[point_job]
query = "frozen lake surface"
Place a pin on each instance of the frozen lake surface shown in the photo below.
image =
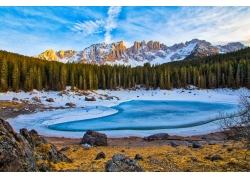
(133, 118)
(143, 116)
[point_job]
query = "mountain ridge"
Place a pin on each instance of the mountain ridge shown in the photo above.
(153, 52)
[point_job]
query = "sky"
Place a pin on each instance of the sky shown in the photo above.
(30, 30)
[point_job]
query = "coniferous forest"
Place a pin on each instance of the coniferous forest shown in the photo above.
(231, 70)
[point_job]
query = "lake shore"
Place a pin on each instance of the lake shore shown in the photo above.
(16, 109)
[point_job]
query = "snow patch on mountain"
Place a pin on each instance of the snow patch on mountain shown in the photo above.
(140, 53)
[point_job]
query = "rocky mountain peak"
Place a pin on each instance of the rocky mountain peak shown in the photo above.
(142, 52)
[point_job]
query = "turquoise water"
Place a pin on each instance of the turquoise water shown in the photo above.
(151, 115)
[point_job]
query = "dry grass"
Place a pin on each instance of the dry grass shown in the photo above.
(164, 158)
(11, 104)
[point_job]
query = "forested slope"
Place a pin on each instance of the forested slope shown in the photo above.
(231, 70)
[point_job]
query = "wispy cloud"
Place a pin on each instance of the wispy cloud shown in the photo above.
(179, 24)
(31, 30)
(89, 27)
(113, 13)
(98, 26)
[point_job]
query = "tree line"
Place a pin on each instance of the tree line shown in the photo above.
(231, 70)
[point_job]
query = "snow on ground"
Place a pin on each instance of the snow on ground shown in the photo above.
(99, 108)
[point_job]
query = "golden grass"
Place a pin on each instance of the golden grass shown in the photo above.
(11, 104)
(164, 158)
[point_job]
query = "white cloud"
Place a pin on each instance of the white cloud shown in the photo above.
(113, 13)
(213, 24)
(98, 26)
(88, 27)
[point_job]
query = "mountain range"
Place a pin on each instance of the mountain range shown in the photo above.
(153, 52)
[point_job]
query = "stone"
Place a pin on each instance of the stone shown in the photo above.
(70, 104)
(36, 99)
(194, 159)
(196, 144)
(86, 146)
(94, 138)
(91, 98)
(159, 136)
(64, 148)
(50, 100)
(137, 157)
(216, 157)
(15, 99)
(100, 155)
(174, 144)
(121, 163)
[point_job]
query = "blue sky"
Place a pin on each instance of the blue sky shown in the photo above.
(30, 30)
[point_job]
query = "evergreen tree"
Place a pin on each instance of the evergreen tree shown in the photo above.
(15, 78)
(4, 76)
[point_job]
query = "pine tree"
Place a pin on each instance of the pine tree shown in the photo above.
(39, 80)
(223, 81)
(4, 76)
(103, 80)
(63, 77)
(161, 81)
(237, 78)
(72, 80)
(15, 77)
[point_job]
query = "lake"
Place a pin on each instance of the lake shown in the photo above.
(144, 117)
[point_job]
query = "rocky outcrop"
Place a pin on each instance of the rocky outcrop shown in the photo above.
(94, 138)
(117, 52)
(121, 163)
(158, 136)
(51, 55)
(230, 47)
(26, 151)
(65, 54)
(140, 52)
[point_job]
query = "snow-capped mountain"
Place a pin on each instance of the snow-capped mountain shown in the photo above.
(140, 53)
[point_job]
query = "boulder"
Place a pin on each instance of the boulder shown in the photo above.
(27, 151)
(159, 136)
(70, 104)
(121, 163)
(137, 157)
(64, 148)
(196, 144)
(92, 98)
(15, 99)
(216, 157)
(50, 100)
(36, 99)
(94, 138)
(174, 144)
(100, 155)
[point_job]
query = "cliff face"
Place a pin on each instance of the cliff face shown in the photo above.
(51, 55)
(153, 52)
(102, 53)
(26, 151)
